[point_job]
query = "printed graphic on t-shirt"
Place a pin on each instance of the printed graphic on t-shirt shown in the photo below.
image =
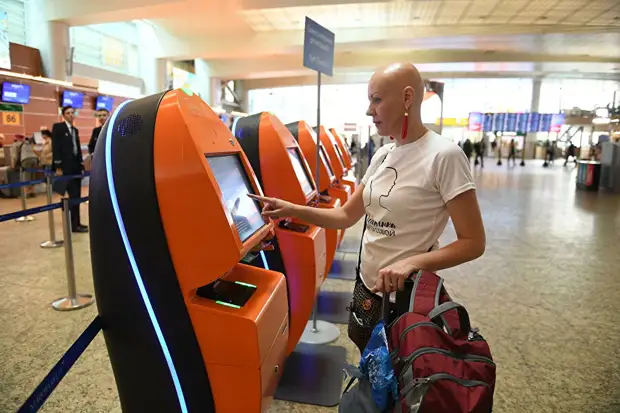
(389, 176)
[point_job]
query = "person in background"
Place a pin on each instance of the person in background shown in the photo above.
(512, 153)
(478, 152)
(46, 157)
(468, 148)
(102, 117)
(26, 161)
(67, 160)
(571, 151)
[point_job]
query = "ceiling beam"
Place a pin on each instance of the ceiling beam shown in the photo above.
(277, 42)
(369, 61)
(78, 13)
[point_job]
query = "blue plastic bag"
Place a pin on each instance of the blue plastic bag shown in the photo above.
(376, 365)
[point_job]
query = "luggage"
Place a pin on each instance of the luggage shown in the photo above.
(9, 175)
(442, 364)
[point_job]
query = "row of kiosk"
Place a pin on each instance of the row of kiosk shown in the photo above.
(203, 299)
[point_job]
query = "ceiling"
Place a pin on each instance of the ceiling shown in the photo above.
(258, 39)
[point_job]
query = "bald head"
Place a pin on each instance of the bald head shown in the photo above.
(394, 90)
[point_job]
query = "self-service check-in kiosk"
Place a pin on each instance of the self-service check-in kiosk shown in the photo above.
(188, 326)
(344, 150)
(328, 184)
(300, 250)
(336, 157)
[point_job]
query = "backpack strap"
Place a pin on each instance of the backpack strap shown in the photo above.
(463, 317)
(423, 292)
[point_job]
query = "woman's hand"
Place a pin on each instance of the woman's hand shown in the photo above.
(275, 208)
(392, 278)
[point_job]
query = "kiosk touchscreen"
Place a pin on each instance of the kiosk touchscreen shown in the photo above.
(344, 149)
(300, 250)
(330, 189)
(337, 158)
(188, 326)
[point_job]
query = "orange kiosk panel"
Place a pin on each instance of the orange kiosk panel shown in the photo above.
(346, 154)
(186, 321)
(300, 250)
(330, 190)
(337, 158)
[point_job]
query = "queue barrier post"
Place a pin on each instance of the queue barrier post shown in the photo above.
(74, 300)
(22, 196)
(52, 243)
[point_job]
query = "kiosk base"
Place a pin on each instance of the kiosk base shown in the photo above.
(313, 375)
(332, 306)
(343, 270)
(325, 333)
(349, 244)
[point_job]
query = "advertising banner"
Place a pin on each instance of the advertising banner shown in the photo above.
(475, 121)
(5, 56)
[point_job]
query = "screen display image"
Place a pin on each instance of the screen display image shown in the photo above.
(545, 122)
(300, 171)
(522, 122)
(498, 121)
(557, 120)
(235, 186)
(533, 122)
(487, 125)
(511, 122)
(73, 99)
(15, 93)
(475, 121)
(104, 102)
(326, 162)
(339, 154)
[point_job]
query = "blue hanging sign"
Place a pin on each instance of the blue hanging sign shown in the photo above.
(318, 48)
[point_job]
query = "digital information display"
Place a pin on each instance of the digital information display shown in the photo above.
(522, 122)
(487, 124)
(557, 120)
(104, 102)
(15, 93)
(326, 161)
(300, 171)
(73, 99)
(511, 122)
(545, 122)
(235, 186)
(475, 121)
(498, 121)
(533, 122)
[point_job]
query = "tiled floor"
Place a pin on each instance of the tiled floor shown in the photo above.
(546, 295)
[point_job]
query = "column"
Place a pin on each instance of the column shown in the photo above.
(154, 73)
(529, 144)
(51, 38)
(207, 85)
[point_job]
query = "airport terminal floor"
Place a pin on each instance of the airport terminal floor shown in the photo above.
(545, 295)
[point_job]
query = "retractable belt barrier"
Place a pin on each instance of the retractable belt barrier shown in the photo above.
(59, 371)
(28, 212)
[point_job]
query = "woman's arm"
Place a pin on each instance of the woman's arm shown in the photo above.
(339, 218)
(471, 239)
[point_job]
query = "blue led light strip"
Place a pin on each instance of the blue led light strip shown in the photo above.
(132, 260)
(262, 255)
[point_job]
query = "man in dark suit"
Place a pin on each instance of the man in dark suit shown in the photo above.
(102, 116)
(68, 161)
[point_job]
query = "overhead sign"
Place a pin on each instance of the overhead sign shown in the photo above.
(318, 48)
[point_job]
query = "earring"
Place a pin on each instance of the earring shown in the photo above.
(405, 128)
(391, 138)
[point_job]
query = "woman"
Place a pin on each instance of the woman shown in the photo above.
(46, 156)
(409, 191)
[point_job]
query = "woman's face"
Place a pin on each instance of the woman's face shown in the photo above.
(386, 107)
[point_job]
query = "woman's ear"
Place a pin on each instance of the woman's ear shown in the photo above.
(408, 96)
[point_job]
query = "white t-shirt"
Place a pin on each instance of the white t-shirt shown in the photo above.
(405, 199)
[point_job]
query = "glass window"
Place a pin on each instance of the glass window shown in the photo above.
(585, 94)
(111, 46)
(16, 14)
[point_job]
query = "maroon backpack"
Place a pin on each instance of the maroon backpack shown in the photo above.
(442, 364)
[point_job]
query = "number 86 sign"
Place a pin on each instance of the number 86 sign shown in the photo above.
(11, 118)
